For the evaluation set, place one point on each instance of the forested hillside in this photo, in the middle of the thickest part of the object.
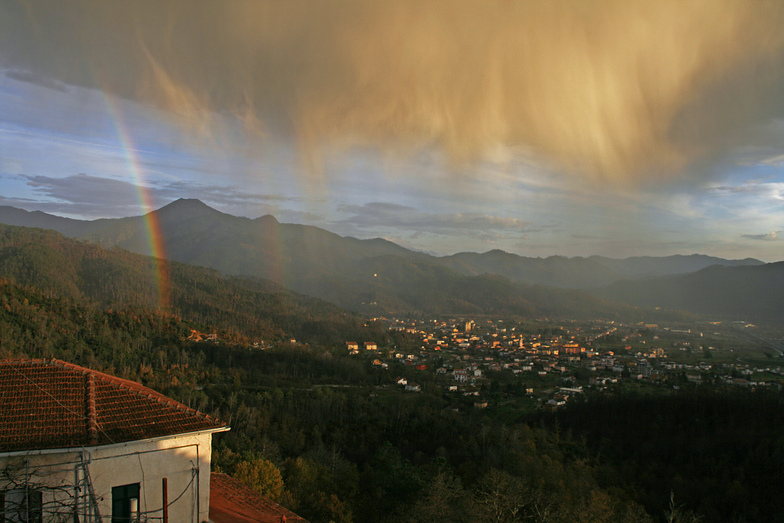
(721, 451)
(240, 308)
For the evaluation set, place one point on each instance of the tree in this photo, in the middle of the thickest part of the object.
(677, 514)
(596, 508)
(443, 500)
(314, 492)
(500, 497)
(262, 476)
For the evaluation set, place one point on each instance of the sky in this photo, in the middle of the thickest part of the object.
(565, 127)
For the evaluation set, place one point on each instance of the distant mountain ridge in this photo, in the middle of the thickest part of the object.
(742, 293)
(582, 273)
(373, 276)
(80, 270)
(196, 233)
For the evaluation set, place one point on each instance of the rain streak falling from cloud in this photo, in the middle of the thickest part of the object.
(613, 90)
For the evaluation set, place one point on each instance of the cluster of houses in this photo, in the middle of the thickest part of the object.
(463, 355)
(197, 336)
(353, 346)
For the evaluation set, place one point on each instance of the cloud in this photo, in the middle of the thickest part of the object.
(388, 215)
(18, 202)
(85, 194)
(290, 216)
(100, 197)
(217, 194)
(766, 190)
(613, 90)
(775, 161)
(27, 76)
(771, 236)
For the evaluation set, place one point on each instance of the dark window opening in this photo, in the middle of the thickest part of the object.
(21, 506)
(123, 498)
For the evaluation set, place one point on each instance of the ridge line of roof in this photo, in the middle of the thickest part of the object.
(131, 386)
(138, 389)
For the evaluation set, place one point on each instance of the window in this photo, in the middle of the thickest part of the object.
(125, 503)
(21, 506)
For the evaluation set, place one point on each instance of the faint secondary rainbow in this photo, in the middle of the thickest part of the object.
(152, 228)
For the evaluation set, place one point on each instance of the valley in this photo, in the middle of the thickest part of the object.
(428, 416)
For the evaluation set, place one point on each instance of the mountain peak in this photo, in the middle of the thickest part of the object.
(267, 219)
(186, 203)
(187, 208)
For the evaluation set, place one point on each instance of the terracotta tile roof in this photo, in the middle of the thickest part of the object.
(53, 404)
(234, 502)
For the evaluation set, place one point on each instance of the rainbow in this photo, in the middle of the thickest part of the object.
(155, 241)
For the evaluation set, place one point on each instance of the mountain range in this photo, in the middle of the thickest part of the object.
(58, 272)
(379, 277)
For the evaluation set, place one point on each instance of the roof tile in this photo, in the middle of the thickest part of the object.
(233, 502)
(47, 404)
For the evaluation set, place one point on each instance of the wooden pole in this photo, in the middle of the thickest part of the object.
(165, 488)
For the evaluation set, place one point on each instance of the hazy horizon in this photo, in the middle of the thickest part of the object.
(416, 250)
(539, 129)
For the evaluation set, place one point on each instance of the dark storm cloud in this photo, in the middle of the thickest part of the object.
(616, 90)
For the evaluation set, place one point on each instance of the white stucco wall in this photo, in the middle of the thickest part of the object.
(184, 460)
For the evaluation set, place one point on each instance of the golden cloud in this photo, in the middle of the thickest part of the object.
(612, 89)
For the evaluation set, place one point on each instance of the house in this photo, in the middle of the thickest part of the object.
(607, 362)
(86, 446)
(371, 345)
(233, 502)
(571, 390)
(460, 375)
(572, 348)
